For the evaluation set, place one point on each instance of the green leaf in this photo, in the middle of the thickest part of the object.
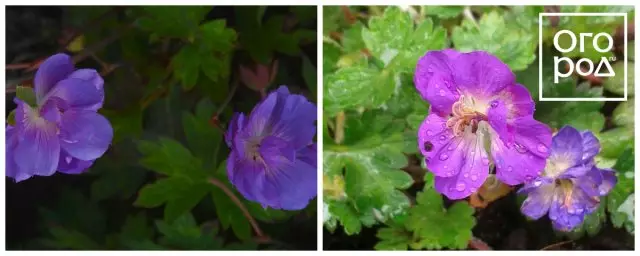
(393, 239)
(354, 87)
(203, 139)
(436, 227)
(169, 157)
(347, 216)
(27, 95)
(185, 200)
(615, 141)
(184, 233)
(163, 190)
(593, 121)
(392, 38)
(444, 12)
(352, 38)
(136, 228)
(186, 66)
(591, 225)
(331, 55)
(493, 33)
(69, 240)
(370, 158)
(173, 21)
(623, 114)
(215, 50)
(620, 201)
(615, 84)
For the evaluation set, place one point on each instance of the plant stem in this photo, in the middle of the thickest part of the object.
(478, 244)
(339, 133)
(240, 205)
(469, 15)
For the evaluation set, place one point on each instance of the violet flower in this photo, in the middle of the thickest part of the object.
(63, 132)
(479, 116)
(571, 185)
(273, 157)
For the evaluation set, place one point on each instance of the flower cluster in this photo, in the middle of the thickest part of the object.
(273, 156)
(479, 116)
(571, 185)
(63, 131)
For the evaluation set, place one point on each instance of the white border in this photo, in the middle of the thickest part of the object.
(562, 14)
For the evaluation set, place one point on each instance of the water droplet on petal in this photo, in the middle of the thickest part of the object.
(466, 175)
(571, 210)
(473, 190)
(460, 187)
(442, 137)
(537, 183)
(445, 167)
(494, 104)
(520, 148)
(442, 93)
(579, 210)
(542, 148)
(474, 177)
(485, 160)
(553, 217)
(68, 159)
(509, 169)
(429, 133)
(444, 157)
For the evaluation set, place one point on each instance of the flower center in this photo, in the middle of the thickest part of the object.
(253, 151)
(466, 112)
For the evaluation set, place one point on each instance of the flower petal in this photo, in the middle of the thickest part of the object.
(71, 165)
(436, 140)
(567, 146)
(235, 125)
(538, 200)
(515, 164)
(518, 101)
(480, 73)
(472, 172)
(590, 146)
(597, 182)
(92, 76)
(568, 210)
(50, 72)
(296, 123)
(38, 147)
(77, 93)
(12, 169)
(434, 80)
(84, 134)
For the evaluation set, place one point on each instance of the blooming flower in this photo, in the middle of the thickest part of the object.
(63, 132)
(571, 185)
(273, 157)
(479, 116)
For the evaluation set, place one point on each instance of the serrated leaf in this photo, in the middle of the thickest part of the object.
(623, 114)
(443, 11)
(615, 141)
(437, 227)
(186, 66)
(370, 158)
(616, 84)
(69, 240)
(592, 121)
(331, 55)
(620, 201)
(351, 39)
(186, 200)
(163, 190)
(510, 43)
(173, 21)
(392, 38)
(169, 157)
(354, 87)
(203, 139)
(136, 228)
(393, 239)
(347, 217)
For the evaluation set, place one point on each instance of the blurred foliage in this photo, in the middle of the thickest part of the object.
(372, 168)
(171, 84)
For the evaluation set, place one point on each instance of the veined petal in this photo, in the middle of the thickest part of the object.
(71, 165)
(434, 69)
(480, 73)
(38, 147)
(50, 72)
(296, 123)
(518, 102)
(77, 93)
(436, 141)
(590, 146)
(235, 125)
(597, 182)
(92, 76)
(12, 169)
(473, 169)
(569, 208)
(567, 146)
(538, 200)
(84, 134)
(515, 164)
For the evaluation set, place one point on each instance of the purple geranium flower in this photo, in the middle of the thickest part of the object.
(571, 185)
(479, 116)
(63, 132)
(273, 157)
